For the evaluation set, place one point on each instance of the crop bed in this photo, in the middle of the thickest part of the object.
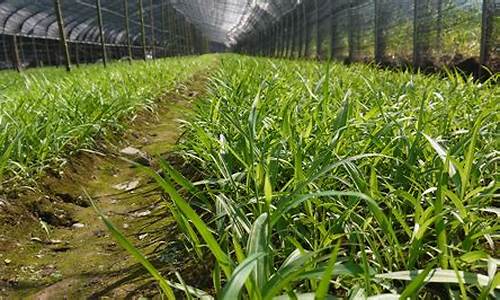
(340, 180)
(45, 114)
(292, 178)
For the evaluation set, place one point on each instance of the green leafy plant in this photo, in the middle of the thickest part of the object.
(47, 113)
(341, 181)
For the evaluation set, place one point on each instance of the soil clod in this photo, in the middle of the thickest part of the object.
(136, 155)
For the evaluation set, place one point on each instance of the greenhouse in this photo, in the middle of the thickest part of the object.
(249, 149)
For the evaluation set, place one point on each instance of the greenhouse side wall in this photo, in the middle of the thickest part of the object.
(426, 34)
(30, 34)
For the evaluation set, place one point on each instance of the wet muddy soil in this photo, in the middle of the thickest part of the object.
(53, 246)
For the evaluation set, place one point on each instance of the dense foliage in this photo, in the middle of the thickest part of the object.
(45, 113)
(342, 180)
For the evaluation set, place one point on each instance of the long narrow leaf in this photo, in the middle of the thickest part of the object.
(258, 243)
(202, 228)
(240, 275)
(322, 291)
(439, 275)
(130, 248)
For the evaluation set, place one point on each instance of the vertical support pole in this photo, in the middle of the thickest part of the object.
(62, 34)
(188, 39)
(77, 54)
(101, 32)
(35, 53)
(275, 40)
(169, 29)
(379, 44)
(260, 44)
(486, 32)
(300, 29)
(439, 24)
(143, 30)
(192, 34)
(177, 41)
(91, 53)
(186, 36)
(163, 29)
(282, 38)
(256, 45)
(294, 33)
(17, 61)
(318, 31)
(191, 38)
(416, 35)
(268, 39)
(127, 30)
(20, 45)
(332, 30)
(307, 32)
(278, 42)
(58, 55)
(174, 30)
(277, 35)
(199, 42)
(47, 52)
(5, 52)
(152, 20)
(351, 32)
(285, 35)
(83, 49)
(263, 42)
(289, 34)
(4, 49)
(180, 36)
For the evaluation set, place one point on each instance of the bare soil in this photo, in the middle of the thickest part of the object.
(53, 246)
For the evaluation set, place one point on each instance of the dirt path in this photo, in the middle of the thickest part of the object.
(77, 258)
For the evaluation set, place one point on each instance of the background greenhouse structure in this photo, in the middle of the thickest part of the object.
(423, 33)
(250, 149)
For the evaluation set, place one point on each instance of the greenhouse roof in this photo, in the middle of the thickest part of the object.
(226, 20)
(223, 21)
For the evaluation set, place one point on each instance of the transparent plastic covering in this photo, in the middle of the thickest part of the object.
(424, 33)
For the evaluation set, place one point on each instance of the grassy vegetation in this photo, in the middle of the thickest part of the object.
(47, 113)
(344, 181)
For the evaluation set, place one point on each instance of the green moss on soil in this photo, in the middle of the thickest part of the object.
(87, 261)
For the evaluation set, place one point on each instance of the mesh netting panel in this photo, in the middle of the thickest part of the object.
(340, 33)
(134, 29)
(429, 34)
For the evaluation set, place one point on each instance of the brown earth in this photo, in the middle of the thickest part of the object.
(52, 244)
